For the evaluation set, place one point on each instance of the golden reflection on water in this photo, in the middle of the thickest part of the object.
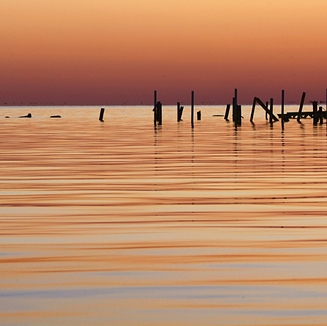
(116, 223)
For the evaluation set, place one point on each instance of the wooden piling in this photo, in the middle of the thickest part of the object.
(178, 110)
(236, 96)
(315, 112)
(155, 98)
(234, 108)
(159, 113)
(267, 105)
(301, 107)
(238, 120)
(235, 101)
(320, 115)
(101, 114)
(282, 110)
(227, 112)
(271, 111)
(192, 109)
(253, 107)
(181, 113)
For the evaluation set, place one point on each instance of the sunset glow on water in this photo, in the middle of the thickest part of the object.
(116, 223)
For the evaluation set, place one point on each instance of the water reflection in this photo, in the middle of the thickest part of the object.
(117, 223)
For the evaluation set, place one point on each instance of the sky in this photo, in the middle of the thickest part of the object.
(103, 52)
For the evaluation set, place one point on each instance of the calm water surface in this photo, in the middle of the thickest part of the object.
(116, 223)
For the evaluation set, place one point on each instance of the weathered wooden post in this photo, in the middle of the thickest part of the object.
(192, 109)
(181, 113)
(234, 108)
(267, 105)
(253, 108)
(283, 105)
(282, 110)
(315, 112)
(198, 114)
(239, 114)
(101, 114)
(159, 113)
(301, 107)
(271, 111)
(178, 109)
(320, 114)
(227, 112)
(155, 98)
(235, 100)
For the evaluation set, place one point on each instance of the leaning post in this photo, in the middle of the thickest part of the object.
(301, 107)
(253, 108)
(101, 114)
(227, 111)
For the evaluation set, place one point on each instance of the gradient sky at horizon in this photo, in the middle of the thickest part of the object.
(119, 51)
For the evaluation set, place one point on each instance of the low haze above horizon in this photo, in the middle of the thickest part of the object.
(80, 52)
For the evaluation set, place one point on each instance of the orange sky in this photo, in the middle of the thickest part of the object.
(119, 51)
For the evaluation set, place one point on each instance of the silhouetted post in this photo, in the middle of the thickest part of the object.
(227, 111)
(267, 106)
(253, 108)
(315, 112)
(192, 109)
(301, 107)
(178, 109)
(235, 105)
(282, 110)
(159, 113)
(101, 114)
(198, 114)
(320, 114)
(238, 120)
(271, 111)
(181, 113)
(155, 98)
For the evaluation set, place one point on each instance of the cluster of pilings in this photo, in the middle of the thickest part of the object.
(237, 111)
(317, 114)
(157, 111)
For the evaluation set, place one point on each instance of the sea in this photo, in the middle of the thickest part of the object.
(121, 223)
